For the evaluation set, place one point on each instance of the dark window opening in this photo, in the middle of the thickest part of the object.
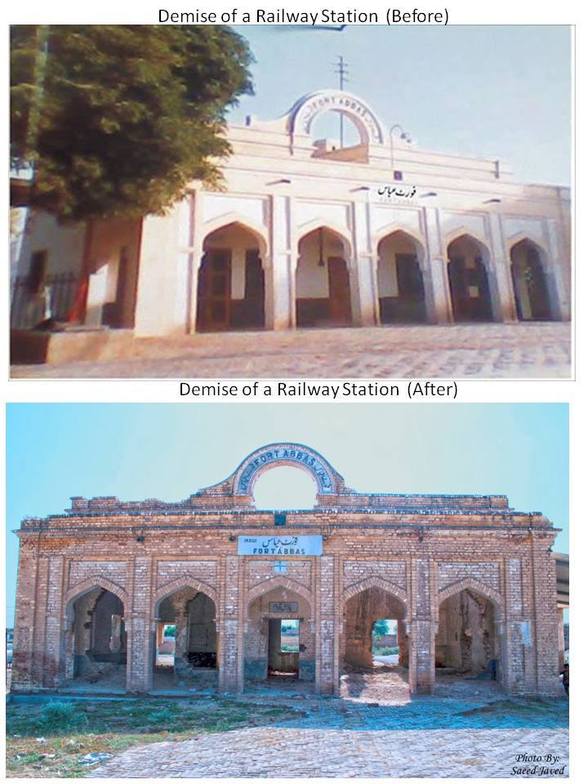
(37, 271)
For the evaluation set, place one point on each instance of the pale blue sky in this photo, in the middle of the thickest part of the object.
(169, 451)
(502, 92)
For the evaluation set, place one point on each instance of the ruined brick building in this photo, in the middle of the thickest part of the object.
(152, 594)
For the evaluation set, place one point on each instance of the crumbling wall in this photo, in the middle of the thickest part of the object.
(194, 616)
(361, 612)
(108, 643)
(466, 636)
(98, 639)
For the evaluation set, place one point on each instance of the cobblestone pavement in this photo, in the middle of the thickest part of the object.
(535, 350)
(477, 732)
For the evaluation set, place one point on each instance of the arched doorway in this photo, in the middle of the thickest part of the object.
(185, 649)
(96, 640)
(471, 298)
(279, 643)
(231, 281)
(529, 281)
(401, 291)
(323, 291)
(467, 643)
(374, 664)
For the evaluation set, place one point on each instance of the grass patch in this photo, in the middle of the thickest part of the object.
(50, 739)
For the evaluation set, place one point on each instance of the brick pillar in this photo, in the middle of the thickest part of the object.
(22, 662)
(515, 631)
(561, 637)
(546, 619)
(140, 635)
(42, 577)
(421, 672)
(54, 623)
(231, 654)
(327, 624)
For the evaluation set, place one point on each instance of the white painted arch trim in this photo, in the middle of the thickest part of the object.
(259, 231)
(395, 228)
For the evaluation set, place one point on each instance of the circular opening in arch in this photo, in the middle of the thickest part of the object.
(328, 126)
(285, 487)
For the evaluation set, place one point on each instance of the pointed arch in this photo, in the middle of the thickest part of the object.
(279, 581)
(185, 581)
(398, 228)
(465, 231)
(315, 224)
(521, 236)
(96, 581)
(535, 292)
(324, 264)
(375, 581)
(472, 279)
(231, 275)
(400, 278)
(247, 224)
(470, 583)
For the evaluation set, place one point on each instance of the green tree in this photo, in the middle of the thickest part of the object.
(117, 119)
(380, 628)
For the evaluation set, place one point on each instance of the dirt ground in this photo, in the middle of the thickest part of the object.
(281, 728)
(514, 351)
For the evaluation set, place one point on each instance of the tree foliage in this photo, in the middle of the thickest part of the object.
(380, 628)
(117, 119)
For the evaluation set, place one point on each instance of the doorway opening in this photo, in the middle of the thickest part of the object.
(401, 290)
(323, 289)
(96, 640)
(530, 283)
(467, 644)
(185, 650)
(375, 655)
(279, 641)
(385, 650)
(284, 647)
(231, 281)
(468, 280)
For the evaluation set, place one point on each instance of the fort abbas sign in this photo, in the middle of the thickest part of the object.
(280, 545)
(304, 112)
(284, 454)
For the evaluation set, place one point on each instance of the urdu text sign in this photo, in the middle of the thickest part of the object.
(280, 545)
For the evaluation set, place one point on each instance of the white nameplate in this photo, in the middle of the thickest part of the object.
(280, 545)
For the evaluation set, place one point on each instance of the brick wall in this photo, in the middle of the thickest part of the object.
(421, 555)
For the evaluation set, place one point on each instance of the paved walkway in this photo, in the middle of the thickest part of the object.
(534, 350)
(475, 733)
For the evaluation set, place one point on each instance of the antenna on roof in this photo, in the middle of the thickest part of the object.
(342, 71)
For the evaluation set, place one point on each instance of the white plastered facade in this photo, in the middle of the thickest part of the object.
(280, 187)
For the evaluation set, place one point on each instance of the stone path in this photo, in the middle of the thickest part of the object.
(474, 733)
(288, 753)
(533, 350)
